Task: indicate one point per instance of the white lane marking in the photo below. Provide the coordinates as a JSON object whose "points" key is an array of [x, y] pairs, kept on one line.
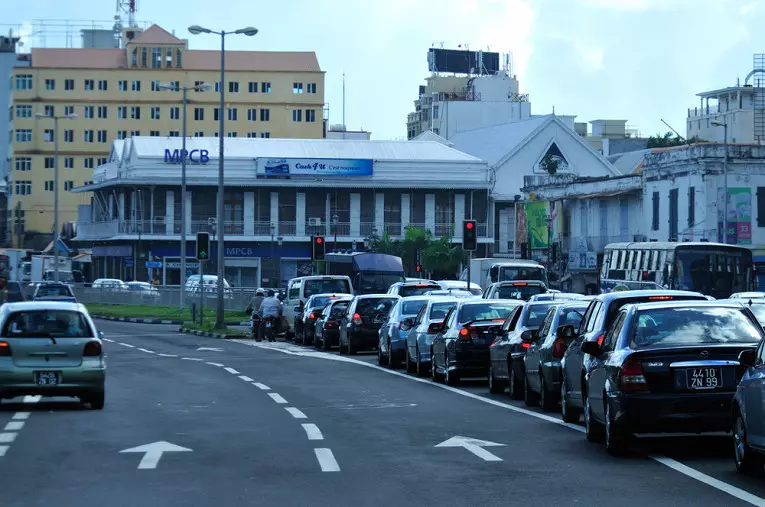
{"points": [[215, 364], [277, 398], [127, 345], [192, 359], [473, 445], [297, 414], [262, 387], [231, 370], [710, 481], [327, 460], [245, 378], [107, 340], [312, 431], [22, 415], [147, 351], [153, 452], [3, 450], [32, 399], [212, 349], [7, 438], [168, 355], [14, 426]]}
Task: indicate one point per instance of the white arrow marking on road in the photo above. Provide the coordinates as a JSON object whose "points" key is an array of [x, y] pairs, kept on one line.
{"points": [[473, 445], [153, 452], [212, 349]]}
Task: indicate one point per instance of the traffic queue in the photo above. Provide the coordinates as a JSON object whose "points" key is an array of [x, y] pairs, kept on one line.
{"points": [[625, 362]]}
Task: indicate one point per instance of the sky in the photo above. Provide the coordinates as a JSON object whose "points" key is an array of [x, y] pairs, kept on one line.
{"points": [[635, 60]]}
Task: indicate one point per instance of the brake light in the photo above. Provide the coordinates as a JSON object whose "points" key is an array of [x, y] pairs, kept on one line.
{"points": [[92, 349], [422, 285], [465, 334], [660, 298], [632, 376], [312, 316], [600, 338], [5, 349], [520, 284], [525, 345], [559, 349], [357, 319]]}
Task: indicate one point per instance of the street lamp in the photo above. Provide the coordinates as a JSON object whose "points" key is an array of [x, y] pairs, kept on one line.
{"points": [[197, 88], [335, 220], [249, 31], [718, 123], [55, 185], [549, 221]]}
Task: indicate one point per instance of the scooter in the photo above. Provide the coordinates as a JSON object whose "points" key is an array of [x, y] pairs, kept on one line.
{"points": [[269, 328], [256, 327]]}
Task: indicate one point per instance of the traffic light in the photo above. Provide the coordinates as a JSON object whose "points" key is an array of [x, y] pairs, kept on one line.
{"points": [[469, 235], [317, 248], [203, 246], [418, 268]]}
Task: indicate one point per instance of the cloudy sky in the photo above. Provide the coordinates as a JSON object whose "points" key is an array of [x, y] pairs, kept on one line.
{"points": [[639, 60]]}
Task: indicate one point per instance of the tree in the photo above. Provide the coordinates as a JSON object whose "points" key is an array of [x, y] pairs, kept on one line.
{"points": [[665, 141], [550, 164], [438, 257]]}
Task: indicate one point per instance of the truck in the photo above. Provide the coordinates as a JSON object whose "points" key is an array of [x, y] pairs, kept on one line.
{"points": [[43, 268], [489, 270], [16, 259]]}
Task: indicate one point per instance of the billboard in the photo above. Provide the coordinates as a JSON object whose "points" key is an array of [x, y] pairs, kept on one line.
{"points": [[315, 167], [536, 217], [738, 226], [461, 61]]}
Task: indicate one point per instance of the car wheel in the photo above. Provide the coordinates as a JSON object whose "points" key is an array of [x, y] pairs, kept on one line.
{"points": [[420, 366], [410, 366], [434, 375], [392, 360], [350, 348], [747, 461], [591, 427], [495, 386], [325, 341], [97, 400], [530, 398], [450, 377], [516, 388], [342, 347], [615, 437], [382, 360], [546, 398], [568, 413]]}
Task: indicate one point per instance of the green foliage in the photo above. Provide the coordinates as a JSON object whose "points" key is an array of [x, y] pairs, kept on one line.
{"points": [[664, 141], [439, 257]]}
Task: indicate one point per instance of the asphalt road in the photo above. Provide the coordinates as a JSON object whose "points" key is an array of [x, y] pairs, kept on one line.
{"points": [[282, 425]]}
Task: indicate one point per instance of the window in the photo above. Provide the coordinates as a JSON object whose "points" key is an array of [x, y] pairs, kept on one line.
{"points": [[232, 114], [134, 133], [88, 136], [199, 113], [121, 134], [23, 163], [102, 85], [48, 135], [691, 206], [155, 86], [216, 114], [297, 115], [435, 112], [50, 84], [655, 218], [154, 133], [24, 82], [68, 162], [86, 183], [144, 57], [88, 162], [217, 87], [156, 58], [252, 87], [673, 225], [199, 134], [175, 113], [103, 112], [155, 113], [178, 58], [135, 112], [174, 133], [252, 114], [198, 84], [102, 161], [297, 88], [68, 84], [68, 110], [90, 85], [252, 135], [49, 185], [175, 86], [68, 185], [265, 87], [310, 115], [265, 115], [231, 134], [233, 86], [122, 113], [49, 162], [311, 88], [760, 206], [134, 57], [24, 135], [265, 135], [168, 57], [87, 112], [122, 85], [23, 188], [136, 85], [69, 136], [23, 111], [49, 111], [101, 136]]}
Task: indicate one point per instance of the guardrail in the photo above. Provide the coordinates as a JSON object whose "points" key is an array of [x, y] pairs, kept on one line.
{"points": [[234, 298]]}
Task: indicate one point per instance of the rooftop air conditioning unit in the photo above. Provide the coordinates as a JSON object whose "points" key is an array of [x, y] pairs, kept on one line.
{"points": [[314, 221]]}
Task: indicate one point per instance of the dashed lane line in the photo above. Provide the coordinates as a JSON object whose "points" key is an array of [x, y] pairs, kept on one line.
{"points": [[231, 370], [168, 355], [327, 460], [126, 345], [245, 378], [192, 359], [262, 387], [107, 340], [277, 398], [297, 414], [7, 438], [14, 426], [21, 415], [147, 351], [312, 431], [215, 364]]}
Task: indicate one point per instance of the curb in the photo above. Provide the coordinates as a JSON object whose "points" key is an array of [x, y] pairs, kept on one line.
{"points": [[157, 321], [202, 333]]}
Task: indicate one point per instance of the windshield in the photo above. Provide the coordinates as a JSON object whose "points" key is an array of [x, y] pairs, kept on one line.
{"points": [[716, 272], [510, 273], [140, 287], [534, 315], [52, 291], [417, 290], [326, 286], [377, 283], [63, 276], [693, 326], [759, 312], [439, 310], [522, 292], [46, 324], [375, 306], [409, 308], [485, 311]]}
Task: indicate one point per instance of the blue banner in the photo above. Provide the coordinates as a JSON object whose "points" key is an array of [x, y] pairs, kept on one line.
{"points": [[285, 167]]}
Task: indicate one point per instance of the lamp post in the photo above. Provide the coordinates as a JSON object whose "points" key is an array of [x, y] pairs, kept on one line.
{"points": [[249, 31], [55, 185], [335, 223], [718, 123], [197, 88]]}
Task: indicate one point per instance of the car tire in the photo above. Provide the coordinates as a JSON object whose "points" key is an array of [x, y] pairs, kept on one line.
{"points": [[592, 429], [350, 348], [451, 378], [381, 360], [747, 460], [325, 343], [420, 369], [568, 413], [393, 362], [495, 386], [97, 400], [410, 366], [434, 375], [546, 398], [615, 438], [530, 398], [516, 389]]}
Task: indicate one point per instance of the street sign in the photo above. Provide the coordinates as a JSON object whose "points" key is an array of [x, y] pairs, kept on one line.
{"points": [[153, 264], [153, 452], [473, 445]]}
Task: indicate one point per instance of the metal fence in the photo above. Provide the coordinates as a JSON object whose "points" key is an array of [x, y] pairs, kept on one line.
{"points": [[170, 295]]}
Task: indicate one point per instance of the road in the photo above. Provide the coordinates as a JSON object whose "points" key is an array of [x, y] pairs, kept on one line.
{"points": [[228, 423]]}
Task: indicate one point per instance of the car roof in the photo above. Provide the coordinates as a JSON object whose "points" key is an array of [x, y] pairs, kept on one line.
{"points": [[27, 306], [572, 303], [611, 296], [378, 296], [477, 301], [517, 283], [654, 305]]}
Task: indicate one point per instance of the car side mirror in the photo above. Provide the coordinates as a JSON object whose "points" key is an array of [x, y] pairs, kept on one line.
{"points": [[530, 335], [298, 309], [407, 324], [746, 357], [590, 347], [435, 327], [565, 332], [100, 335]]}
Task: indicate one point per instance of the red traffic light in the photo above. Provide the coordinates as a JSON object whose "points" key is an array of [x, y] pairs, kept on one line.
{"points": [[319, 241], [418, 268], [469, 225]]}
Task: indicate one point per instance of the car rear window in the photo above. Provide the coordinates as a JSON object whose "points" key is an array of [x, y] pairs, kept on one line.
{"points": [[328, 286], [439, 310], [521, 292], [412, 307], [375, 306], [47, 324], [535, 314], [339, 309], [53, 291], [571, 316], [616, 304], [759, 312], [486, 311], [417, 290], [321, 302], [693, 326]]}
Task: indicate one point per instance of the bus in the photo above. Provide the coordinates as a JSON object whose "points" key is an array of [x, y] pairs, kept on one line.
{"points": [[370, 273], [714, 269]]}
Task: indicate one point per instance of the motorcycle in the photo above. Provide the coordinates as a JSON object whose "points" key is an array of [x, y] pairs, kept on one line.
{"points": [[269, 328], [256, 327]]}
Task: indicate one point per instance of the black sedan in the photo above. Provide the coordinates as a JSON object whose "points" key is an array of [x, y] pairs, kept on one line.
{"points": [[305, 323], [326, 331], [461, 348], [360, 326], [667, 367]]}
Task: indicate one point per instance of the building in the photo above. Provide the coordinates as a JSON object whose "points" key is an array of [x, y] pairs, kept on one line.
{"points": [[115, 94], [279, 193], [340, 132], [740, 107]]}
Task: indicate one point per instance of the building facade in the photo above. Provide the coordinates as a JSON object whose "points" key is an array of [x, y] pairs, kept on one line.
{"points": [[116, 94]]}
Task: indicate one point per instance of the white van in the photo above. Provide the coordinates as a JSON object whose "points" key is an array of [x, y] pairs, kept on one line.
{"points": [[301, 288]]}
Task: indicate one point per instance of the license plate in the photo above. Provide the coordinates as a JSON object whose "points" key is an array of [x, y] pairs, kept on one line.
{"points": [[378, 320], [703, 378], [47, 378]]}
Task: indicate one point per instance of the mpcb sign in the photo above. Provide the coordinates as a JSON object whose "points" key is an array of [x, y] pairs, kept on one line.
{"points": [[193, 156]]}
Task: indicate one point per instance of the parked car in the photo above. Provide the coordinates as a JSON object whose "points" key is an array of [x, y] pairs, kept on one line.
{"points": [[360, 326], [423, 328], [748, 416], [475, 289], [461, 347], [145, 291], [405, 289], [514, 290], [455, 293], [391, 348], [305, 322], [54, 291], [327, 328], [108, 285], [747, 295], [541, 363], [667, 367], [598, 318]]}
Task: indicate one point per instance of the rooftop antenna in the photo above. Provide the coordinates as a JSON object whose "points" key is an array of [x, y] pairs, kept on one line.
{"points": [[344, 129], [673, 130]]}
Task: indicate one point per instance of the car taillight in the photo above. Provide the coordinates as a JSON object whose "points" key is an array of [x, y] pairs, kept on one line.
{"points": [[312, 316], [600, 338], [92, 349], [559, 349], [357, 319], [632, 376], [330, 324], [5, 349], [525, 345], [465, 334]]}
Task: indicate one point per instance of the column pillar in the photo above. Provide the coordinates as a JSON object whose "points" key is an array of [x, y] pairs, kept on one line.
{"points": [[355, 215], [300, 214], [380, 213], [405, 212], [275, 212], [430, 212], [188, 213], [170, 212], [459, 214], [249, 213]]}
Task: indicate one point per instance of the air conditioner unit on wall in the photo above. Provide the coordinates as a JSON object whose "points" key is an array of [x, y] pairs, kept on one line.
{"points": [[314, 221]]}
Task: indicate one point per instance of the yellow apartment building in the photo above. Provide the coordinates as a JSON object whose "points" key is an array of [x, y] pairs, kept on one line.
{"points": [[115, 94]]}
